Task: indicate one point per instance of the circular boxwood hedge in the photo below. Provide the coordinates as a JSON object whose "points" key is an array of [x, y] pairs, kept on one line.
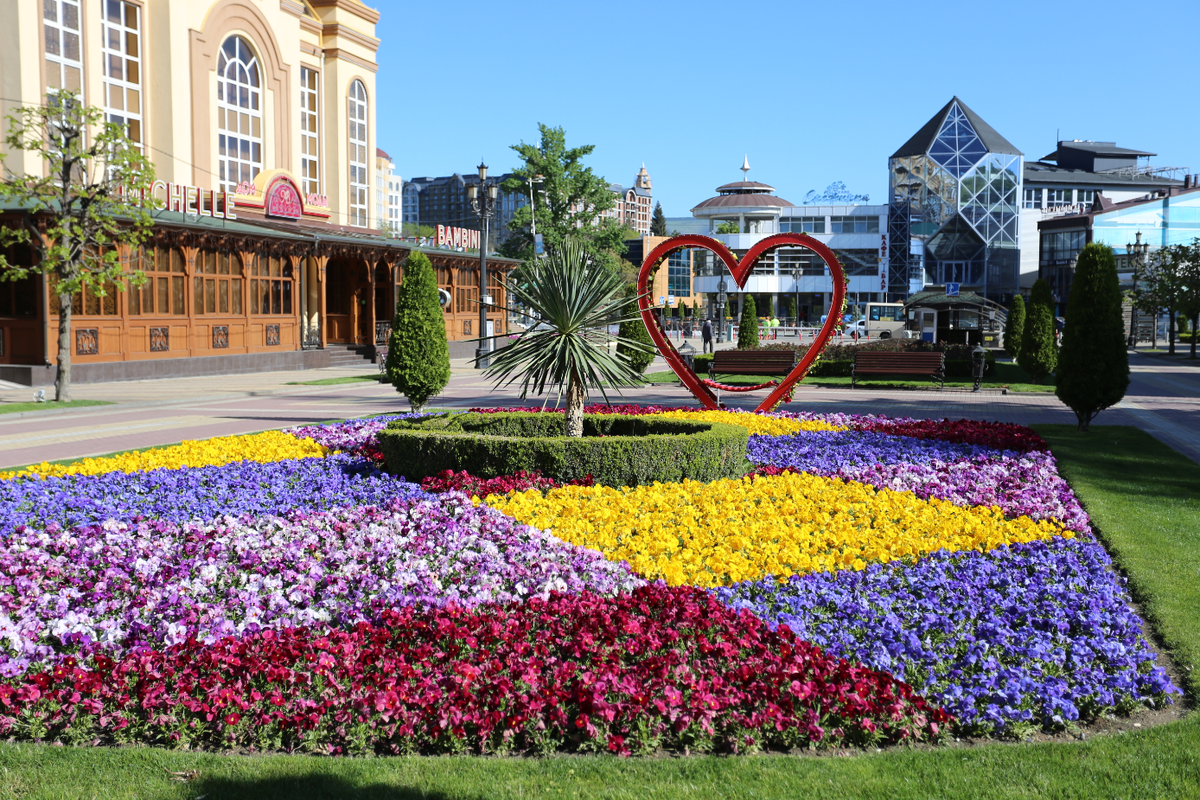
{"points": [[616, 450]]}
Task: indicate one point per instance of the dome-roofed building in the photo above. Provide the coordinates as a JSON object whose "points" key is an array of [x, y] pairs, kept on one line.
{"points": [[748, 203]]}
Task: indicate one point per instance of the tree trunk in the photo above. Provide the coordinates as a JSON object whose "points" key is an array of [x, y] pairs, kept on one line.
{"points": [[1171, 330], [1195, 322], [62, 378], [574, 413]]}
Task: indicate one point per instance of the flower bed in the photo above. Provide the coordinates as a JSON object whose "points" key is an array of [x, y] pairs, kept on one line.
{"points": [[295, 596], [657, 668]]}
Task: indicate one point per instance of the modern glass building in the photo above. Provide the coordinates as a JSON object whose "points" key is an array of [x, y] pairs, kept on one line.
{"points": [[953, 212]]}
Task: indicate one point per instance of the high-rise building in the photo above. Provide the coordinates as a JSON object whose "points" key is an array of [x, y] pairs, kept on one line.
{"points": [[954, 208], [387, 193]]}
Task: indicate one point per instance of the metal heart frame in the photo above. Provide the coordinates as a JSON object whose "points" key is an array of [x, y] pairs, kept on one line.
{"points": [[740, 271]]}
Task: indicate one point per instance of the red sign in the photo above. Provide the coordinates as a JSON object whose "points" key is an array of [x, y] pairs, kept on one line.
{"points": [[283, 200]]}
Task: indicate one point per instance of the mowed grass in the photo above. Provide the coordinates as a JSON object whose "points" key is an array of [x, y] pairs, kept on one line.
{"points": [[372, 378], [12, 408], [1144, 497], [1002, 375]]}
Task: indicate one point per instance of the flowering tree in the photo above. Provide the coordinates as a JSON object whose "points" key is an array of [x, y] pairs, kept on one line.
{"points": [[84, 206]]}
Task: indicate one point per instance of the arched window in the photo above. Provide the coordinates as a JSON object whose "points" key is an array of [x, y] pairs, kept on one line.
{"points": [[359, 182], [239, 113]]}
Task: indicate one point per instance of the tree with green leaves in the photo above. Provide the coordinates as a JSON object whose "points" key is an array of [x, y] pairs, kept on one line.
{"points": [[83, 185], [727, 227], [1039, 351], [575, 303], [789, 308], [1093, 364], [1188, 295], [658, 221], [418, 358], [748, 325], [635, 344], [1014, 327], [570, 202]]}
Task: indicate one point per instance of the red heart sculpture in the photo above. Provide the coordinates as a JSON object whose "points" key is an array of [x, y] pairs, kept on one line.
{"points": [[740, 270]]}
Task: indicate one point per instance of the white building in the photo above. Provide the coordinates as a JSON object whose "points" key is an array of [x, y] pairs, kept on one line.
{"points": [[856, 234]]}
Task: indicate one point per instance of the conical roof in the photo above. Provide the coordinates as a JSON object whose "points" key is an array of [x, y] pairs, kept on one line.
{"points": [[922, 141]]}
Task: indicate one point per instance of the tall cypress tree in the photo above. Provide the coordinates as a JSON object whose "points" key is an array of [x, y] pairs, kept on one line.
{"points": [[418, 359], [1039, 352], [634, 329], [1014, 327], [658, 221], [1093, 366], [748, 327]]}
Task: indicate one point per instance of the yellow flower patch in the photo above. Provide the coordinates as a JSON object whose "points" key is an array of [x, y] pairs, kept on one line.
{"points": [[716, 534], [755, 423], [269, 446]]}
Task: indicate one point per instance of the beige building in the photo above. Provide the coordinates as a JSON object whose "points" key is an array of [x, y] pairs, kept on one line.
{"points": [[259, 118]]}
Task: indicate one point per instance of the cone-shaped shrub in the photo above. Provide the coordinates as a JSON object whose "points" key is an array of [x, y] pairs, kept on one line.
{"points": [[418, 360], [1039, 352], [748, 328], [634, 330], [1014, 327], [1093, 365]]}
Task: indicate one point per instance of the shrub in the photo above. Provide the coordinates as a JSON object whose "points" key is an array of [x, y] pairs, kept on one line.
{"points": [[634, 330], [418, 359], [748, 328], [1093, 370], [1014, 327], [1039, 351], [702, 363], [616, 450]]}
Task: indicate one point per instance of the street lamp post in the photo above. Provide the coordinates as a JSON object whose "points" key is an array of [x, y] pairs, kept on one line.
{"points": [[483, 203], [1137, 257], [722, 299]]}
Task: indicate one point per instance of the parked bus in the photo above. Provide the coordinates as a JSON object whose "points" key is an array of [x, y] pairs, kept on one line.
{"points": [[883, 321]]}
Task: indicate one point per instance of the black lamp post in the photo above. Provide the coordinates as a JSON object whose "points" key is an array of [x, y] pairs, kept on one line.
{"points": [[1137, 257], [483, 203], [722, 299]]}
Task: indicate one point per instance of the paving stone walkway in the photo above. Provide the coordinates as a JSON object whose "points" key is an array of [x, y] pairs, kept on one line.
{"points": [[1163, 399]]}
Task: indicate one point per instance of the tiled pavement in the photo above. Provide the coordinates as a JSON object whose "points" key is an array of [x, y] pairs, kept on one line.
{"points": [[1163, 399]]}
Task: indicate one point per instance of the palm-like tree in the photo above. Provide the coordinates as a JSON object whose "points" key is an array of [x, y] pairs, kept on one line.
{"points": [[575, 302]]}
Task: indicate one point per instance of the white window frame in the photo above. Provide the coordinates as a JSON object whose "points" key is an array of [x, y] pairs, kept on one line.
{"points": [[1032, 198], [310, 140], [120, 86], [57, 34], [233, 169], [357, 133]]}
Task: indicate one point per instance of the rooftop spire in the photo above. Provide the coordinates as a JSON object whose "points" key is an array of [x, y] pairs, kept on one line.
{"points": [[745, 166]]}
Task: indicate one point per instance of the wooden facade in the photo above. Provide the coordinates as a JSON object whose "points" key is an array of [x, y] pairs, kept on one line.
{"points": [[237, 290]]}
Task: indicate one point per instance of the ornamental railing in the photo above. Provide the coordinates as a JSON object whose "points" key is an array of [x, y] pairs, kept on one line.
{"points": [[382, 331], [312, 337]]}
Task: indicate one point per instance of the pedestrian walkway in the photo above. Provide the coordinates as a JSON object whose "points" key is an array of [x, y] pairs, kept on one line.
{"points": [[1163, 399]]}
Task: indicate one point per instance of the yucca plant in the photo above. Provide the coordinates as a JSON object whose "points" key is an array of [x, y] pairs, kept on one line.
{"points": [[575, 302]]}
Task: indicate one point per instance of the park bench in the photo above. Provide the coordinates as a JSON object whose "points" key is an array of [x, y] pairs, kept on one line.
{"points": [[930, 365], [752, 362]]}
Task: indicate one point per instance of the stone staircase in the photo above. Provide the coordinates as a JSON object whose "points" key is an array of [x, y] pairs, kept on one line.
{"points": [[350, 355]]}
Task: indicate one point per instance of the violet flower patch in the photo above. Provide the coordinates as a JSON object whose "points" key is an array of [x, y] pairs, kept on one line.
{"points": [[119, 586], [1038, 634], [201, 493], [354, 436], [967, 475]]}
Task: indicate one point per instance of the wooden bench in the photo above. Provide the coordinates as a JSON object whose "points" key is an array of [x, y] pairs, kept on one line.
{"points": [[752, 362], [931, 365]]}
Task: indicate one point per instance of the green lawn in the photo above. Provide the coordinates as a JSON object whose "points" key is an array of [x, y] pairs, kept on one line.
{"points": [[12, 408], [1144, 497], [372, 378]]}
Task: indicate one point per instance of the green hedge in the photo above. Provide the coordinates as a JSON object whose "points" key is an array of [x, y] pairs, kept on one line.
{"points": [[615, 450], [828, 368]]}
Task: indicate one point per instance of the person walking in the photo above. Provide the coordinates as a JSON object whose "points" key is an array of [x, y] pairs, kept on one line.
{"points": [[706, 335]]}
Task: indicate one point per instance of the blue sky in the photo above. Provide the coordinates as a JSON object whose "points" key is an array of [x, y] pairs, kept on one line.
{"points": [[812, 92]]}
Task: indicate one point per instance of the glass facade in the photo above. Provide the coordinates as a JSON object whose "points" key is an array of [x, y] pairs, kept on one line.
{"points": [[963, 201], [679, 273]]}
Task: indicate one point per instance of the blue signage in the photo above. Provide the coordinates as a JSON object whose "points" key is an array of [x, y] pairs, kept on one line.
{"points": [[538, 248], [835, 192], [952, 289]]}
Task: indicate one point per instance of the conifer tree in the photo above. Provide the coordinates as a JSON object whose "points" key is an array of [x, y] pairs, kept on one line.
{"points": [[1039, 352], [418, 359], [640, 355], [1014, 327], [658, 221], [1093, 365], [748, 327]]}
